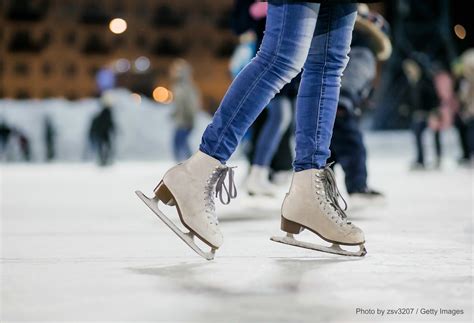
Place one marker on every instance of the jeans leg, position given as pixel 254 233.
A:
pixel 180 144
pixel 278 119
pixel 320 83
pixel 185 150
pixel 284 154
pixel 288 33
pixel 176 145
pixel 348 145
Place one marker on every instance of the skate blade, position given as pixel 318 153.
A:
pixel 187 237
pixel 334 249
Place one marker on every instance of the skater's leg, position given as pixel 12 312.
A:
pixel 282 163
pixel 348 145
pixel 193 184
pixel 181 148
pixel 107 152
pixel 470 136
pixel 438 146
pixel 276 123
pixel 283 158
pixel 177 144
pixel 278 120
pixel 288 34
pixel 419 127
pixel 462 128
pixel 313 199
pixel 186 149
pixel 320 83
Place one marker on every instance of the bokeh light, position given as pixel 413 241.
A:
pixel 460 31
pixel 118 25
pixel 122 65
pixel 142 64
pixel 137 98
pixel 161 94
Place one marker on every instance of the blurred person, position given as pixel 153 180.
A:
pixel 460 119
pixel 49 139
pixel 466 95
pixel 186 100
pixel 370 44
pixel 266 141
pixel 24 144
pixel 91 146
pixel 312 36
pixel 432 102
pixel 102 127
pixel 5 135
pixel 243 53
pixel 449 103
pixel 419 27
pixel 102 131
pixel 463 132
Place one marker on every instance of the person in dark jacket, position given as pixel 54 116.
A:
pixel 5 134
pixel 418 27
pixel 466 95
pixel 101 134
pixel 49 139
pixel 424 100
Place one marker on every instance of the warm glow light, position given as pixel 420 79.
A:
pixel 460 31
pixel 117 25
pixel 161 94
pixel 137 98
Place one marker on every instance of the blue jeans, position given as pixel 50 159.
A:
pixel 181 148
pixel 278 119
pixel 297 35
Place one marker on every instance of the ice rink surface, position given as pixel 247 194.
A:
pixel 78 245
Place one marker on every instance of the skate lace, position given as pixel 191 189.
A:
pixel 216 182
pixel 332 193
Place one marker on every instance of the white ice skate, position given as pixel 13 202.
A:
pixel 258 183
pixel 312 203
pixel 190 186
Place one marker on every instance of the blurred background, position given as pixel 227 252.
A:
pixel 58 58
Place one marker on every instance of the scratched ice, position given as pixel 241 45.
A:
pixel 78 245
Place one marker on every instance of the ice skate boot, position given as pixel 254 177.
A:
pixel 258 182
pixel 192 186
pixel 313 203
